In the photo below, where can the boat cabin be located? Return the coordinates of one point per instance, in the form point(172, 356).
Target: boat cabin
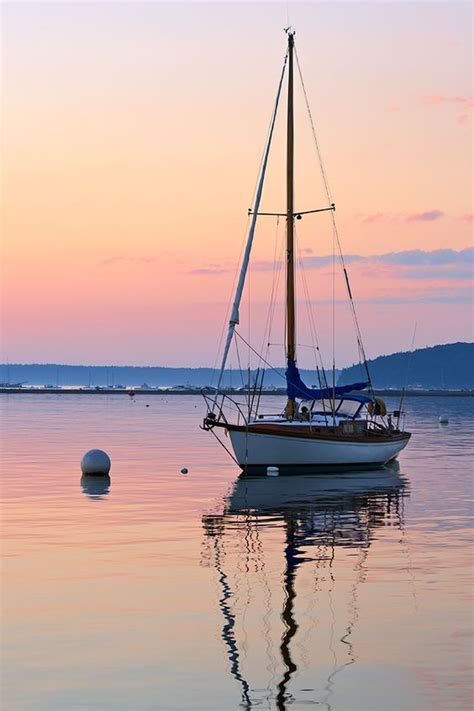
point(350, 412)
point(348, 407)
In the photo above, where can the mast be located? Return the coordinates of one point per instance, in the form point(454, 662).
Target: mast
point(290, 265)
point(234, 317)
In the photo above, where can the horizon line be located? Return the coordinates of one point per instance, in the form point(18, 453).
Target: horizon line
point(209, 367)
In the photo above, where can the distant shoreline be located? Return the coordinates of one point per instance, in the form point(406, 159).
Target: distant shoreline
point(282, 392)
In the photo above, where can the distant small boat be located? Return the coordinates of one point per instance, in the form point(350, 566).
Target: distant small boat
point(319, 427)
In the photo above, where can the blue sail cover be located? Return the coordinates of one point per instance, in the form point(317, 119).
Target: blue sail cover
point(296, 388)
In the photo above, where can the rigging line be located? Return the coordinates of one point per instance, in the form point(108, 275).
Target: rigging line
point(314, 335)
point(260, 356)
point(318, 150)
point(315, 346)
point(355, 319)
point(354, 617)
point(223, 445)
point(322, 168)
point(269, 317)
point(269, 321)
point(271, 311)
point(312, 322)
point(275, 292)
point(257, 406)
point(287, 615)
point(236, 272)
point(300, 345)
point(360, 344)
point(333, 323)
point(274, 273)
point(247, 551)
point(256, 388)
point(228, 631)
point(229, 300)
point(409, 359)
point(269, 131)
point(249, 315)
point(362, 356)
point(234, 318)
point(266, 618)
point(240, 364)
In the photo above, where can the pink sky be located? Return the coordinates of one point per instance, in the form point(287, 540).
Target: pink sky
point(132, 138)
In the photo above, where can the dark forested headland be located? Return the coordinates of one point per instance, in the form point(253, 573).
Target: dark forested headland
point(446, 367)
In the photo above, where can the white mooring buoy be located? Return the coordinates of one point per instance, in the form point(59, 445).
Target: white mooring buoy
point(95, 462)
point(273, 471)
point(443, 419)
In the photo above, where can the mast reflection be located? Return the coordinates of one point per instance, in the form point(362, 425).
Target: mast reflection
point(317, 515)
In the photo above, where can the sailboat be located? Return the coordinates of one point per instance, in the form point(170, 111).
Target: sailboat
point(329, 426)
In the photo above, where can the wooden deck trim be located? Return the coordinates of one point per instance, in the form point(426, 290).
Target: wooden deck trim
point(316, 433)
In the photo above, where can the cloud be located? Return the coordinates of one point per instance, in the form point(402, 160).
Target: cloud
point(426, 216)
point(212, 270)
point(411, 265)
point(456, 272)
point(323, 261)
point(419, 257)
point(429, 295)
point(437, 99)
point(433, 100)
point(433, 295)
point(376, 217)
point(462, 103)
point(410, 258)
point(312, 262)
point(429, 216)
point(414, 265)
point(385, 217)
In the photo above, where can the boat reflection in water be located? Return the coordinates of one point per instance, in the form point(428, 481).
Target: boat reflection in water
point(290, 555)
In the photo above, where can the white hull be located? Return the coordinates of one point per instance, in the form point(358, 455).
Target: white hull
point(256, 449)
point(285, 492)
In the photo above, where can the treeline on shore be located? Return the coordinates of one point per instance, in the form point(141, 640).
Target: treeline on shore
point(443, 367)
point(57, 375)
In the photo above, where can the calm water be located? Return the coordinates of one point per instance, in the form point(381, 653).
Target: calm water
point(156, 590)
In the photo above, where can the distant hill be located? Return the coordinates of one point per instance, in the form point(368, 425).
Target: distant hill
point(57, 374)
point(446, 367)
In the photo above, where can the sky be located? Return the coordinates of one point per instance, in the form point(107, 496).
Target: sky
point(132, 135)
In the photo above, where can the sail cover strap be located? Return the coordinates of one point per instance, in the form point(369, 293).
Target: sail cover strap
point(234, 316)
point(296, 388)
